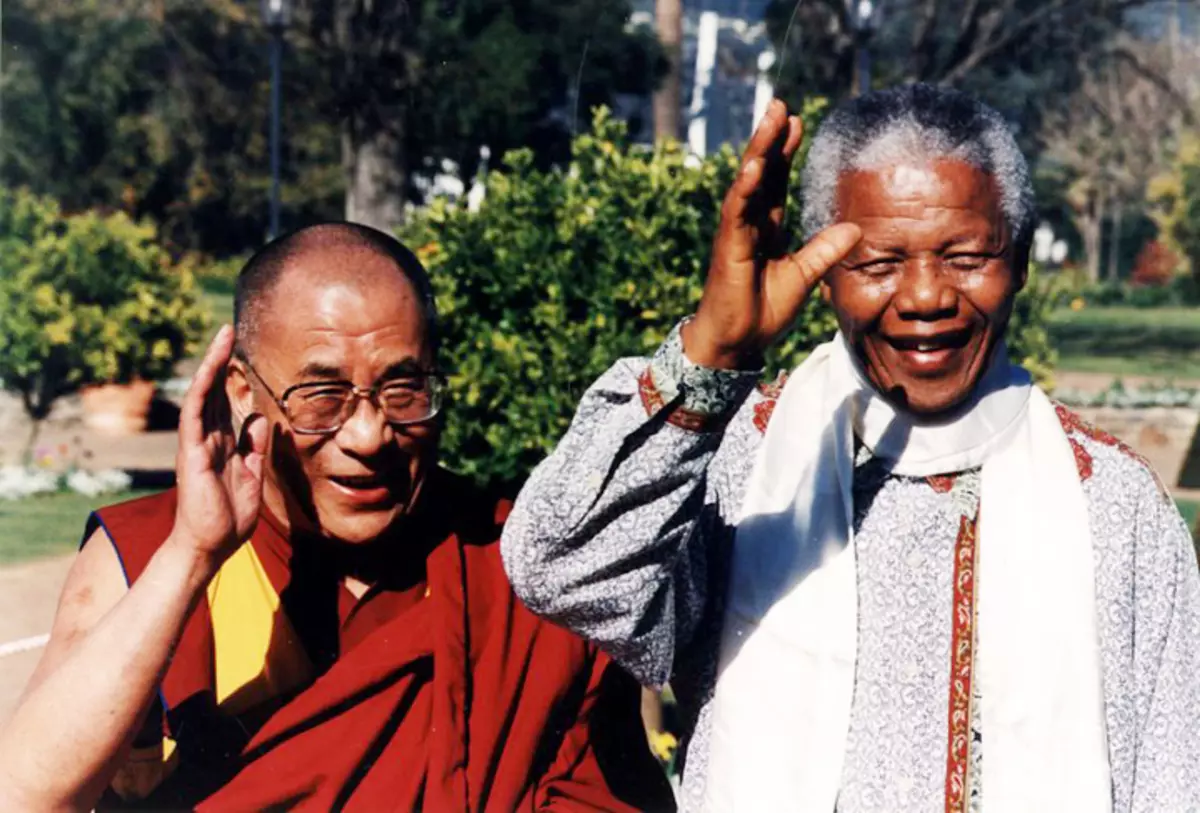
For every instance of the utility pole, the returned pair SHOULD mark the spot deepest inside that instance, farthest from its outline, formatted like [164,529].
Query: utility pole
[668,99]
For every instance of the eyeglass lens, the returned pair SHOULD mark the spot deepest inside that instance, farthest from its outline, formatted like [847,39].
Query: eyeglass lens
[327,406]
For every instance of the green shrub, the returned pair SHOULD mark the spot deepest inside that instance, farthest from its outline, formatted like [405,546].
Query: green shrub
[560,273]
[1183,290]
[212,275]
[1028,336]
[84,299]
[1176,199]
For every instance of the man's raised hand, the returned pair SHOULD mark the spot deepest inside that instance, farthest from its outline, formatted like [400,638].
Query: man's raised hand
[219,473]
[755,287]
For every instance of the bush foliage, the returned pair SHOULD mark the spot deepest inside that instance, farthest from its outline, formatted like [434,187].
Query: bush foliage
[86,299]
[560,273]
[1176,196]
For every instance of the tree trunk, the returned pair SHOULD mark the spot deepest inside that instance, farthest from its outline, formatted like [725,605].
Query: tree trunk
[1114,241]
[375,177]
[668,99]
[1091,229]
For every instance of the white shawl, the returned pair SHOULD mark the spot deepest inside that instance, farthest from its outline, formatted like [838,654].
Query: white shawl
[783,696]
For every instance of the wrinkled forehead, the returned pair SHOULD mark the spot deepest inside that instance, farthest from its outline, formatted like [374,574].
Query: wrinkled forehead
[921,192]
[342,308]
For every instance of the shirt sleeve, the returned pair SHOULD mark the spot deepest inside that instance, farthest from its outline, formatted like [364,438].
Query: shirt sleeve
[1167,661]
[610,536]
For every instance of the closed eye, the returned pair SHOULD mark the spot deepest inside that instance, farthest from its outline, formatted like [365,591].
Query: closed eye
[404,385]
[321,393]
[883,265]
[968,261]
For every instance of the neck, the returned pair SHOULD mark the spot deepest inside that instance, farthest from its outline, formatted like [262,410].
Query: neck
[918,445]
[395,559]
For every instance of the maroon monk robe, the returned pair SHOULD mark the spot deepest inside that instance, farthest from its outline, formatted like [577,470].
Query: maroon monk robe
[437,692]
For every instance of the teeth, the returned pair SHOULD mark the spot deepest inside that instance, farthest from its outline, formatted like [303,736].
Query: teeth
[926,347]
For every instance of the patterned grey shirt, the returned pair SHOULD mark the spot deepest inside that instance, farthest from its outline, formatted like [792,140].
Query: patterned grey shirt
[623,535]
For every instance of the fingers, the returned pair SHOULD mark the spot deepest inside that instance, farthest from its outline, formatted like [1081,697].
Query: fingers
[824,251]
[777,174]
[247,486]
[252,445]
[737,199]
[760,187]
[774,122]
[795,136]
[192,413]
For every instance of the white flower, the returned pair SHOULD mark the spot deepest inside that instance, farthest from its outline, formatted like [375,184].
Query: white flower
[95,483]
[19,482]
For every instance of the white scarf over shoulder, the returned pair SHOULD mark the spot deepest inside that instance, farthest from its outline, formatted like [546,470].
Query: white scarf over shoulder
[788,648]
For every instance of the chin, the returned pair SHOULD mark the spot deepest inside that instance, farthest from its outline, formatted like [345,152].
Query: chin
[932,405]
[926,393]
[360,528]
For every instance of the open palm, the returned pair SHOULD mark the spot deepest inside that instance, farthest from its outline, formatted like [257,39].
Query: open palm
[219,473]
[755,287]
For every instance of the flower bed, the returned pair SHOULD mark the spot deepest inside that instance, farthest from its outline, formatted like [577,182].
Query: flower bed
[19,482]
[1117,397]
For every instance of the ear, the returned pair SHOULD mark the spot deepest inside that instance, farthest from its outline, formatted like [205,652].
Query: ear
[237,389]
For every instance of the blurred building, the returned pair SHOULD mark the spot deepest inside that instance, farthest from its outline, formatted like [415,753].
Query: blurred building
[725,110]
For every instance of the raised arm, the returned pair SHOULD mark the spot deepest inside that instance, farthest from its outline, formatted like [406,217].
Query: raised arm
[612,534]
[110,644]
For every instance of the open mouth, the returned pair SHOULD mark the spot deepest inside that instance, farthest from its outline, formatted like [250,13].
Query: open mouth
[948,340]
[930,355]
[364,489]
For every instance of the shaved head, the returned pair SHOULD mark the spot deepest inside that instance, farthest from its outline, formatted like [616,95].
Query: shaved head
[336,246]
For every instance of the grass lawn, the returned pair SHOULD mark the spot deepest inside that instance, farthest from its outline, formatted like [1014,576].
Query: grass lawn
[1190,511]
[49,524]
[1157,342]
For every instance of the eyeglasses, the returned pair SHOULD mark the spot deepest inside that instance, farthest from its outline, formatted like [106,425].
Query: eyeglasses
[323,407]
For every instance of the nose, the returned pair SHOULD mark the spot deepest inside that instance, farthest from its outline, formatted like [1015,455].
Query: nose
[925,292]
[365,432]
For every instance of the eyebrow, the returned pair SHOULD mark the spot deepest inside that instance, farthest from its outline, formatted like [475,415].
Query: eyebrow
[408,366]
[316,369]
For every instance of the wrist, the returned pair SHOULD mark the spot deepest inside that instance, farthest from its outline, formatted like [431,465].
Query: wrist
[193,562]
[702,351]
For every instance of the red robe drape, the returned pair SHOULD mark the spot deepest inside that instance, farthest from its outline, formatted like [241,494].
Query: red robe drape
[452,698]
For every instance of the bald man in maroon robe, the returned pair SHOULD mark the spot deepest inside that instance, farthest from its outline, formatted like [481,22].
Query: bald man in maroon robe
[316,616]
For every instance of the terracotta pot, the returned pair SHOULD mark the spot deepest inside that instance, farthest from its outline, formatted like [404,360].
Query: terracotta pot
[118,409]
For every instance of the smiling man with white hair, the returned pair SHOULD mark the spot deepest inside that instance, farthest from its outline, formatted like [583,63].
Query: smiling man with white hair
[902,578]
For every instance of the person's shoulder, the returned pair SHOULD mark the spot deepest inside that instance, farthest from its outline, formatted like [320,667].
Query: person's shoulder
[1130,505]
[147,505]
[135,527]
[1106,463]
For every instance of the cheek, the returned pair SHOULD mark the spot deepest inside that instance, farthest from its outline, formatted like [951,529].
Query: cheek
[418,441]
[296,456]
[859,300]
[990,295]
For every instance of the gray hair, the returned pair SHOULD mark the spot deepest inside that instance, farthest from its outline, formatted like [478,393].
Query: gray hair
[916,124]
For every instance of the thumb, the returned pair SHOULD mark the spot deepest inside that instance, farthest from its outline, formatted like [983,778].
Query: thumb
[800,272]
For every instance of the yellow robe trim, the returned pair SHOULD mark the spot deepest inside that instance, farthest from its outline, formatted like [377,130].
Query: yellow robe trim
[256,653]
[256,656]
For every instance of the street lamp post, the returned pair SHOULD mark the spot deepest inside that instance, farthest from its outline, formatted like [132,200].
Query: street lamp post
[276,15]
[864,18]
